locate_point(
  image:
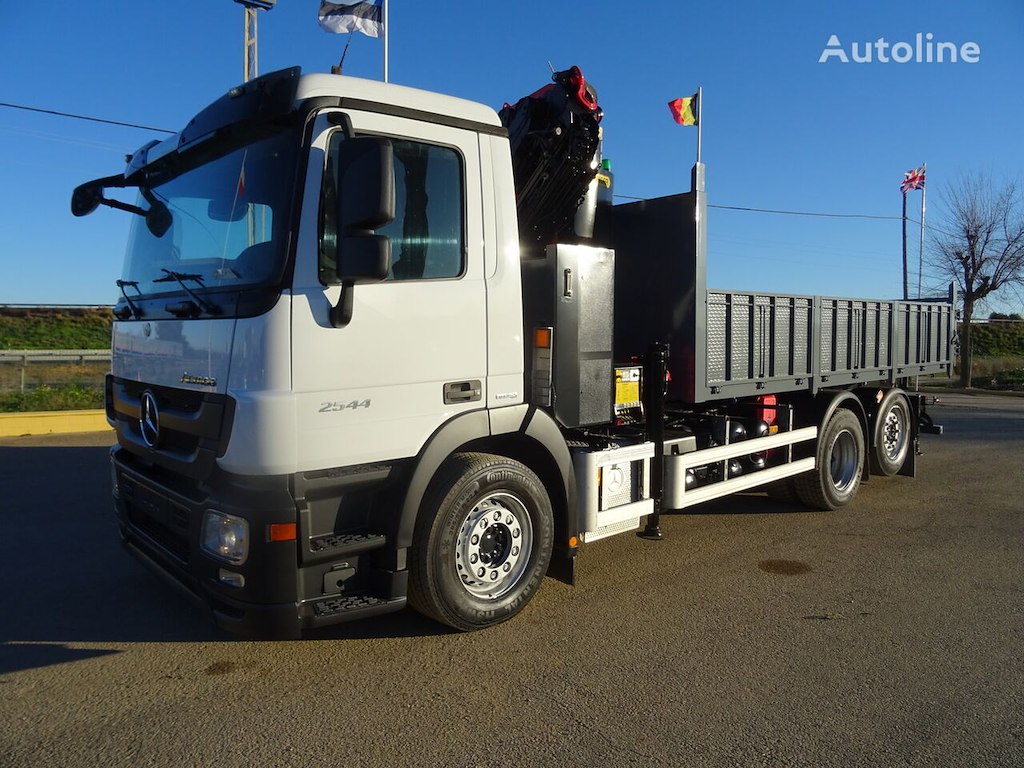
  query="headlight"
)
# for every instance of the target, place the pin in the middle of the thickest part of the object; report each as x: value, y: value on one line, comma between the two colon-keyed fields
x: 226, y: 537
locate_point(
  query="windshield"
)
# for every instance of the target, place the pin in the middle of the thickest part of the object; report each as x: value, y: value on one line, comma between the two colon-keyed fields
x: 229, y: 222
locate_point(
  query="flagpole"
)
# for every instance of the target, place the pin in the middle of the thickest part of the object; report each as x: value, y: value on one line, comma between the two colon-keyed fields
x: 700, y: 122
x: 385, y: 33
x: 905, y: 291
x: 920, y: 255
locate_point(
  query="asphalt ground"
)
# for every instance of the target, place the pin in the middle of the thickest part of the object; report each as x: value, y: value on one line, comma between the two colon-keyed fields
x: 758, y: 633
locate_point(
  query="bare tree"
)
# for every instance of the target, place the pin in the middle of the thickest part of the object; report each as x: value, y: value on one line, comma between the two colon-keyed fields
x: 979, y: 244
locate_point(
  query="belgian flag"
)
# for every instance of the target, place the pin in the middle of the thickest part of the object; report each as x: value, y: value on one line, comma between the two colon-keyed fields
x: 686, y: 111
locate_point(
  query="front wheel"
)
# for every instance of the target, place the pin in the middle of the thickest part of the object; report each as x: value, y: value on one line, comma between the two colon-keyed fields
x: 483, y: 542
x: 839, y: 464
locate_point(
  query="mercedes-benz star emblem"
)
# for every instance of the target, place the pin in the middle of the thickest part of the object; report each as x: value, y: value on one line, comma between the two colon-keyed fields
x: 149, y: 419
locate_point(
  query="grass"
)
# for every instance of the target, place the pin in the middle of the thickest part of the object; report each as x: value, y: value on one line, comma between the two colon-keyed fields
x: 64, y: 397
x: 995, y: 373
x: 990, y: 366
x: 1002, y: 373
x: 53, y: 387
x: 59, y: 328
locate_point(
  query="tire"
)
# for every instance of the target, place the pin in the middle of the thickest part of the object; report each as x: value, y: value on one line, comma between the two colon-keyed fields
x: 782, y: 490
x: 892, y: 434
x: 833, y: 483
x: 482, y: 543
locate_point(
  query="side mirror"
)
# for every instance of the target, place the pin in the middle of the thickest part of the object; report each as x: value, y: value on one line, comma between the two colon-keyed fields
x: 89, y: 196
x: 366, y: 201
x: 158, y: 218
x: 86, y: 199
x: 366, y: 194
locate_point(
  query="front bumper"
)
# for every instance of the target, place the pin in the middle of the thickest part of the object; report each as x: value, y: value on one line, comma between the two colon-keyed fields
x: 282, y: 587
x: 160, y: 516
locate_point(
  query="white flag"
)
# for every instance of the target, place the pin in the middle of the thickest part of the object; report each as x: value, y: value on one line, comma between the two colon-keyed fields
x: 365, y: 17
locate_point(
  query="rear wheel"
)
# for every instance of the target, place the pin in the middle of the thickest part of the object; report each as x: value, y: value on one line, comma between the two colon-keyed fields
x: 782, y: 490
x: 891, y: 433
x: 483, y: 542
x: 840, y: 462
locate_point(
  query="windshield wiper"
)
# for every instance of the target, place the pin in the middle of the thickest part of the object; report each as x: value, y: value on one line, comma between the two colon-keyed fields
x: 133, y: 311
x: 188, y: 307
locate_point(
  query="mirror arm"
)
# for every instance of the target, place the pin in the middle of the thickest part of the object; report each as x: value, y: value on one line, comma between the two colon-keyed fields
x: 341, y: 313
x: 122, y: 206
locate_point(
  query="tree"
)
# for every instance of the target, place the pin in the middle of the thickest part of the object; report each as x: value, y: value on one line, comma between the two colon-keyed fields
x: 979, y: 244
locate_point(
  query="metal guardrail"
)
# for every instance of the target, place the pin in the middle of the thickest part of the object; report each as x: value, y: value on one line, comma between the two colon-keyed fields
x: 25, y: 369
x: 54, y: 355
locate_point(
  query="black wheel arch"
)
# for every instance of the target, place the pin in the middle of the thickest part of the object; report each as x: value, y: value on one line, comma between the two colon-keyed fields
x: 520, y: 432
x: 816, y: 410
x: 873, y: 398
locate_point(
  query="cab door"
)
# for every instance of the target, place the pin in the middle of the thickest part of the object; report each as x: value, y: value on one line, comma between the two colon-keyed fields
x: 414, y: 353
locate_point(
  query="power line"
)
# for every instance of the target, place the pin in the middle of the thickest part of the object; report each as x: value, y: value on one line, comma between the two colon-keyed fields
x: 910, y: 220
x: 788, y: 213
x: 83, y: 117
x: 807, y: 213
x: 817, y: 214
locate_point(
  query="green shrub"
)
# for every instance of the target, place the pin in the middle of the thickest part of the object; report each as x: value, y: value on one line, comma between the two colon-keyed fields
x: 1011, y: 379
x: 998, y: 339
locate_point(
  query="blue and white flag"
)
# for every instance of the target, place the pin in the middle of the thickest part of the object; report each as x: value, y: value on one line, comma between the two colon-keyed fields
x: 365, y: 17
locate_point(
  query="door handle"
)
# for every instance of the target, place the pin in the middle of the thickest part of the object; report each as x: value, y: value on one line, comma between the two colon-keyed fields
x: 462, y: 392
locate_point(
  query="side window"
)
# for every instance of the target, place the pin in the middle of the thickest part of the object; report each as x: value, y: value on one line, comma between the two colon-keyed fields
x: 427, y: 233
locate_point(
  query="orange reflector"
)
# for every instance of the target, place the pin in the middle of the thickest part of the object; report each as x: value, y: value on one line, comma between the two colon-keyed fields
x: 542, y: 338
x: 573, y: 541
x: 283, y: 532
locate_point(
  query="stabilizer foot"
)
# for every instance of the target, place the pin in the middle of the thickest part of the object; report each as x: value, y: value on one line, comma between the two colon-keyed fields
x: 651, y: 532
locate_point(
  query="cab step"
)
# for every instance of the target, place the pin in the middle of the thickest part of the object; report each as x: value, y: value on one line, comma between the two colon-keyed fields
x: 342, y: 544
x: 339, y: 608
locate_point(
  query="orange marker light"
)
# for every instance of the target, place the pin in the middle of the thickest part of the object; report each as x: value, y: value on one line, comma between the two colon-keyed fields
x: 542, y: 338
x: 283, y: 532
x: 573, y: 541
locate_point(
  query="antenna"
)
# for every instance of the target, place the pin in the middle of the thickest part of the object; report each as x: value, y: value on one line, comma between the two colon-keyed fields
x: 249, y: 52
x: 337, y: 70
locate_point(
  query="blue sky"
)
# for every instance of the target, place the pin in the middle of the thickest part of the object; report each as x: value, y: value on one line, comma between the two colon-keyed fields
x: 781, y: 130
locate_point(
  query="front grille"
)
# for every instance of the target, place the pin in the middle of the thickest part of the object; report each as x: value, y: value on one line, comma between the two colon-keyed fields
x: 194, y: 426
x: 165, y: 522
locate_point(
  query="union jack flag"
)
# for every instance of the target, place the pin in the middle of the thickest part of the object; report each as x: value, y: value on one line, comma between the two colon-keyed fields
x: 913, y: 180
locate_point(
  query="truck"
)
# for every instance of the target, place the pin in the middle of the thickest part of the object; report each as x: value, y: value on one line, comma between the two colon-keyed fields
x: 379, y: 347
